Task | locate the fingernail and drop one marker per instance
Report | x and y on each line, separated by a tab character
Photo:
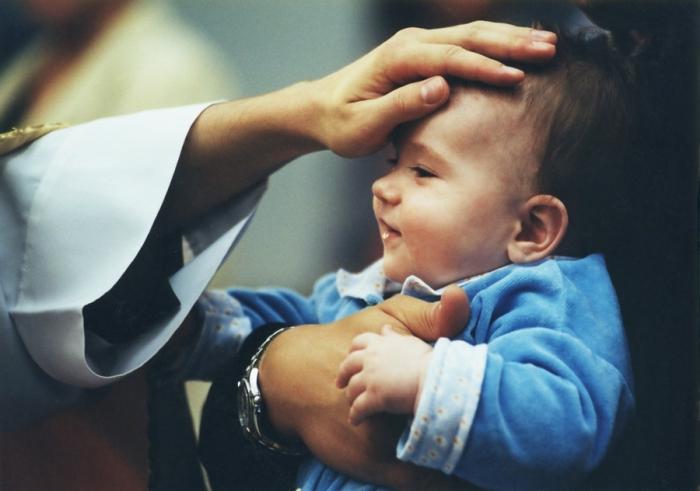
540	46
513	72
431	91
547	36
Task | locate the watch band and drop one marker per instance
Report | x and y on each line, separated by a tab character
251	407
233	461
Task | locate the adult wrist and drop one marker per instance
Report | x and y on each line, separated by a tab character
252	410
231	460
298	110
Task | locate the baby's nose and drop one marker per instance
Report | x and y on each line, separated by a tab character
385	189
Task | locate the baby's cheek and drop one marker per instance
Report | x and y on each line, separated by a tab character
437	255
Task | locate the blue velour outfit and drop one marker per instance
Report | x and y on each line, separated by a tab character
530	395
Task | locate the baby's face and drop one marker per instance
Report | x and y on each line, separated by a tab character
450	204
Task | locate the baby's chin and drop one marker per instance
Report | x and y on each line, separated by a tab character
396	276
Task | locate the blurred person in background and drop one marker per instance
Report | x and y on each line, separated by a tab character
95	58
16	30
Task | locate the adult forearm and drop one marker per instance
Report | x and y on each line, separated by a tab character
330	343
235	145
297	377
316	412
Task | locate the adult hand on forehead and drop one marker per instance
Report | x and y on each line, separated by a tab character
351	111
403	78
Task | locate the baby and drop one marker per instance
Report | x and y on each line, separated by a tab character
511	195
540	376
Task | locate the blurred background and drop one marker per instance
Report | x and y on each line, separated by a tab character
317	213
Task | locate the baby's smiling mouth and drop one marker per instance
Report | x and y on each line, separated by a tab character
387	231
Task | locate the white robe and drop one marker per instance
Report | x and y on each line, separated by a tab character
75	208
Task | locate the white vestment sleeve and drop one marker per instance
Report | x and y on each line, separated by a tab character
81	203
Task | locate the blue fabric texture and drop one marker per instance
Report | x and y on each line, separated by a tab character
530	395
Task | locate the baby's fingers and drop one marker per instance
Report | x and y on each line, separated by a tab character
351	365
356	387
362	341
363	407
388	331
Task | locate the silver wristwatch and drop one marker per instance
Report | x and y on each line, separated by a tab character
251	407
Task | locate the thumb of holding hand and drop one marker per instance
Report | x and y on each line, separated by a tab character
451	313
410	101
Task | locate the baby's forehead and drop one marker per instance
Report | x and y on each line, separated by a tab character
492	119
504	105
473	109
486	125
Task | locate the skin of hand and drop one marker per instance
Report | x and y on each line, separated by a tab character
403	78
235	145
308	406
383	373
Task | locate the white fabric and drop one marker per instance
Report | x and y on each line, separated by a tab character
371	281
75	208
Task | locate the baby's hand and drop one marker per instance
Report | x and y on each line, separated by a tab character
383	373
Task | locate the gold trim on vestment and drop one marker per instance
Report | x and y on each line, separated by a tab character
18	137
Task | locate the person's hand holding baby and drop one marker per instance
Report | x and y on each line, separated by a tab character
384	373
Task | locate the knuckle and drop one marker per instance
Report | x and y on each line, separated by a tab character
474	27
401	102
408	33
396	49
453	51
470	30
517	45
451	56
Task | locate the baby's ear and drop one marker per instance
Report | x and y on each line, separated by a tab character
543	224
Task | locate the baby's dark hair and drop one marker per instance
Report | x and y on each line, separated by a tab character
582	106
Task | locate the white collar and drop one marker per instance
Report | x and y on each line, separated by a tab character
371	285
372	282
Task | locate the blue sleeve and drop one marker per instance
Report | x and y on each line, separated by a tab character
534	407
272	305
282	305
550	407
537	418
229	316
